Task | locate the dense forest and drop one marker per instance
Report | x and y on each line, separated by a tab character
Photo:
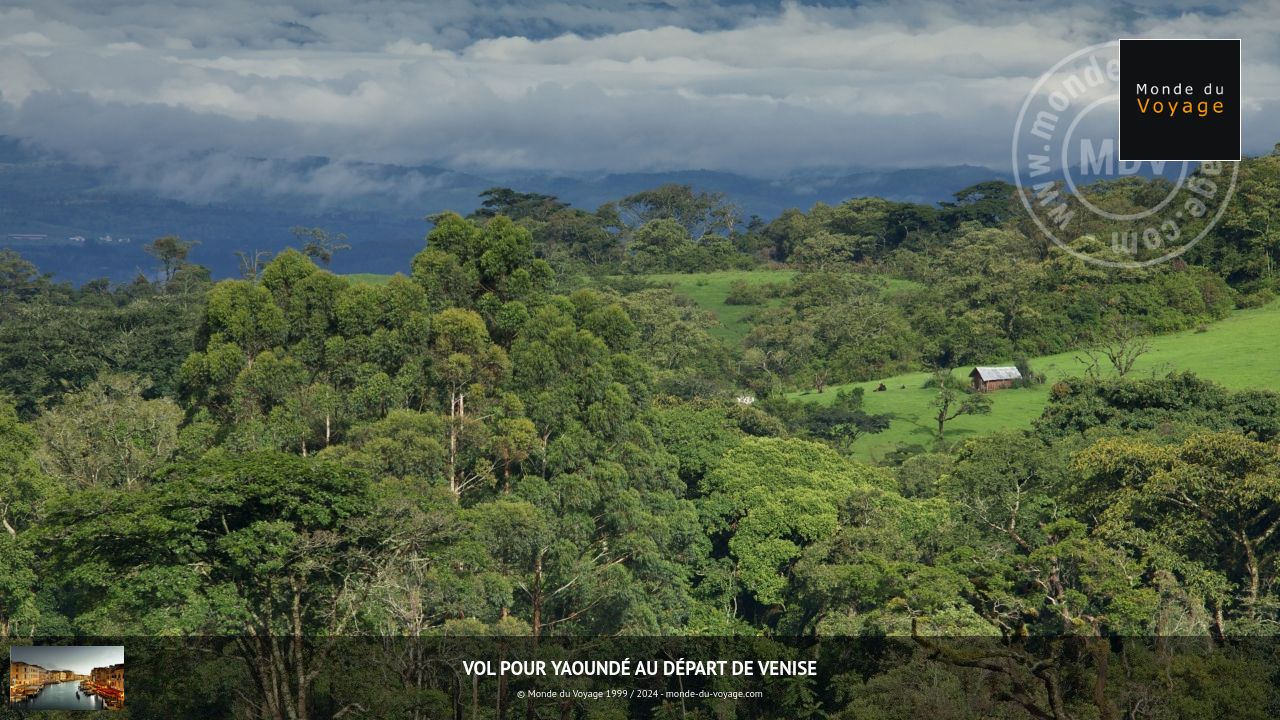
527	436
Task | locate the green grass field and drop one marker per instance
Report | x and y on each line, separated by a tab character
709	290
1238	352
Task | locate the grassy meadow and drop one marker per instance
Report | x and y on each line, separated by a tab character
1242	351
709	290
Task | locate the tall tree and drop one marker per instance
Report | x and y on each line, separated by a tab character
267	548
318	244
108	435
698	212
467	364
171	251
769	498
465	265
1212	501
24	492
517	205
246	314
19	279
23	487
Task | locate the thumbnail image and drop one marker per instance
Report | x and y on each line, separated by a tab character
68	677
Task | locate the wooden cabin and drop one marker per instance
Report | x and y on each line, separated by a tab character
986	379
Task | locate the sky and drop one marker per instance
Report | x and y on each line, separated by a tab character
758	88
80	659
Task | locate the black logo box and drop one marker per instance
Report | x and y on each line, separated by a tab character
1180	64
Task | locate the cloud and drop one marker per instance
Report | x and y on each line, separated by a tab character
317	180
18	77
756	88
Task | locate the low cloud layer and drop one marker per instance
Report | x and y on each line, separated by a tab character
755	88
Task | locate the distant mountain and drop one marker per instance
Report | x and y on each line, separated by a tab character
82	222
765	197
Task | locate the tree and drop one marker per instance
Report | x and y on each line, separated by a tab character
984	294
844	421
312	412
1122	342
698	212
24	491
1035	573
23	487
19	279
465	265
244	313
879	570
18	587
578	234
655	244
517	205
1246	243
769	498
605	540
50	345
406	444
318	244
778	347
1177	400
824	251
1213	501
433	568
1006	487
987	202
251	263
269	548
952	402
107	435
466	363
171	251
785	233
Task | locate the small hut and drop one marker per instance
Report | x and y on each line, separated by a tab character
986	379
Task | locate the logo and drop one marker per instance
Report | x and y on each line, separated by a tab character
1087	201
1180	99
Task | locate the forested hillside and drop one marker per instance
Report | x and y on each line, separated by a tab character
536	432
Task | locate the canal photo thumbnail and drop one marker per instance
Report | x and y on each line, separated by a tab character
66	677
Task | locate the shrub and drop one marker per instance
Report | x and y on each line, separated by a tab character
1030	378
743	293
1255	299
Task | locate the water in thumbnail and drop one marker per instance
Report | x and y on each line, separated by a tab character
69	677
